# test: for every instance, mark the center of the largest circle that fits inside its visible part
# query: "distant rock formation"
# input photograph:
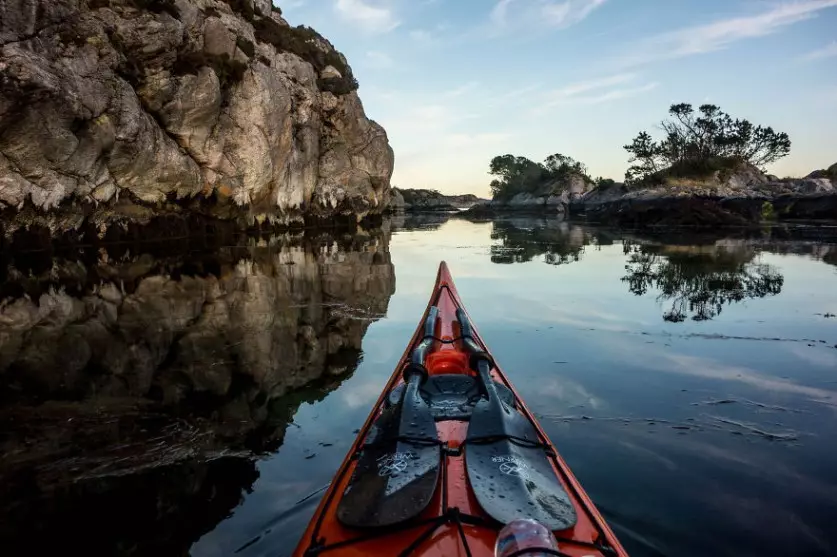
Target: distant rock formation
(743, 195)
(552, 197)
(419, 200)
(118, 110)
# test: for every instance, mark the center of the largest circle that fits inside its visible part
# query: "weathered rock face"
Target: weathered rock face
(211, 106)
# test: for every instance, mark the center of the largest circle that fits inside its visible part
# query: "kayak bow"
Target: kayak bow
(448, 455)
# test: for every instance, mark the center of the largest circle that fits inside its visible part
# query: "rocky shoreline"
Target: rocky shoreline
(429, 201)
(745, 196)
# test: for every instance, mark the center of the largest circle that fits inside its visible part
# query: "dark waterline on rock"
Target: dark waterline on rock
(195, 396)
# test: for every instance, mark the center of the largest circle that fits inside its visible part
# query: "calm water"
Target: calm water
(188, 403)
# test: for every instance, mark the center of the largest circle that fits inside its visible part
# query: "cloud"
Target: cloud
(379, 60)
(511, 14)
(829, 51)
(460, 90)
(430, 36)
(564, 14)
(721, 34)
(595, 91)
(372, 18)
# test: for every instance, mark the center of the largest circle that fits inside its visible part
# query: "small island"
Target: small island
(708, 169)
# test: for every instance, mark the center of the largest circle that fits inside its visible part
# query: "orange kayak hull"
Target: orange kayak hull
(430, 534)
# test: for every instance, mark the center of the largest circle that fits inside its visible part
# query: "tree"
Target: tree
(560, 166)
(700, 141)
(519, 174)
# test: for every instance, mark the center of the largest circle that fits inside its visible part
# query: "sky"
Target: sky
(457, 82)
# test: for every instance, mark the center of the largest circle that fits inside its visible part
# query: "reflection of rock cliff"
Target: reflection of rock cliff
(137, 371)
(160, 511)
(699, 280)
(109, 108)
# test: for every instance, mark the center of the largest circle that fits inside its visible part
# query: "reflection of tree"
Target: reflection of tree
(559, 242)
(698, 281)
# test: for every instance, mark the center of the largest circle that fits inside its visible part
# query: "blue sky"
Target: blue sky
(456, 82)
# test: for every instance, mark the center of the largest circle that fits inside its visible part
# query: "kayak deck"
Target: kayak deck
(453, 522)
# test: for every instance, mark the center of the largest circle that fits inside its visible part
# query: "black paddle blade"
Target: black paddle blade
(398, 469)
(511, 478)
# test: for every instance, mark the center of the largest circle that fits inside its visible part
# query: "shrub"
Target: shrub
(696, 143)
(303, 41)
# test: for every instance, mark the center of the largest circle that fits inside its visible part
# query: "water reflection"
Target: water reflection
(137, 385)
(559, 242)
(695, 273)
(698, 280)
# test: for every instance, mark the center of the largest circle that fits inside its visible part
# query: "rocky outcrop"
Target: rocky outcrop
(830, 173)
(396, 201)
(115, 109)
(742, 196)
(419, 201)
(552, 197)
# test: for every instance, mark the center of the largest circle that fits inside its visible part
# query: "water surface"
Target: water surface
(689, 380)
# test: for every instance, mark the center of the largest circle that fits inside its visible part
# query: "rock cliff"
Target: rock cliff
(111, 107)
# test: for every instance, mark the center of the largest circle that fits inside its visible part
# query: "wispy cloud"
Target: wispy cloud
(372, 18)
(460, 90)
(829, 51)
(431, 36)
(570, 12)
(596, 91)
(508, 15)
(720, 34)
(379, 60)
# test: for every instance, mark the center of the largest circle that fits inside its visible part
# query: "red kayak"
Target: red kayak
(450, 454)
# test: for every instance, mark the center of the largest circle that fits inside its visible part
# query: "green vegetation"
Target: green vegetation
(604, 183)
(698, 144)
(521, 175)
(768, 212)
(304, 42)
